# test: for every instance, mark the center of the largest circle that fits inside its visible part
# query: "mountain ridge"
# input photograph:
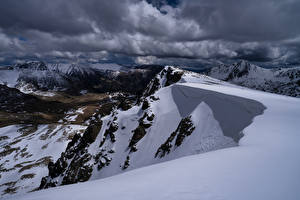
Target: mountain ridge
(179, 113)
(264, 160)
(74, 78)
(159, 127)
(285, 81)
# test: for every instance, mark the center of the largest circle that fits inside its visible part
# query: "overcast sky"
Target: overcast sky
(154, 31)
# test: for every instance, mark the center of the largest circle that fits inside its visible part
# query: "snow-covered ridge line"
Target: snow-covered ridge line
(265, 165)
(168, 122)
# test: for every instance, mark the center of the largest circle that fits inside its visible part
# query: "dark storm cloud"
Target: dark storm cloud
(150, 31)
(55, 16)
(244, 20)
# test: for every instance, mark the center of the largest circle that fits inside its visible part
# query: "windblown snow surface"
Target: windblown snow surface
(265, 165)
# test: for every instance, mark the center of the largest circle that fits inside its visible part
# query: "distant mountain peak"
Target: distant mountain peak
(32, 65)
(277, 80)
(75, 69)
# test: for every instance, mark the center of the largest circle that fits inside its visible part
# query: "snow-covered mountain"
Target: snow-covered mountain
(170, 121)
(285, 81)
(32, 77)
(181, 117)
(32, 65)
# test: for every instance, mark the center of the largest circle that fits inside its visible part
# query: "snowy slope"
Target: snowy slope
(284, 81)
(264, 166)
(171, 121)
(25, 151)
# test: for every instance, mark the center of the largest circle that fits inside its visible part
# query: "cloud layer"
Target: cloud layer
(152, 31)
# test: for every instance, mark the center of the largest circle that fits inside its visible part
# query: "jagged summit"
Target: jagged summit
(166, 77)
(78, 70)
